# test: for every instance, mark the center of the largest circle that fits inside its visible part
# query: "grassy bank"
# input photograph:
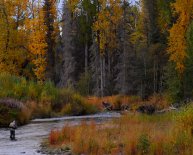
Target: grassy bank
(22, 100)
(119, 102)
(171, 133)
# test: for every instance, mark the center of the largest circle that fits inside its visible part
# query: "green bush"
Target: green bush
(20, 89)
(34, 91)
(84, 84)
(49, 93)
(78, 106)
(50, 99)
(7, 83)
(143, 144)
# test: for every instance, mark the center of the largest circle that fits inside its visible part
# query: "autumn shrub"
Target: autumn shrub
(159, 101)
(12, 109)
(79, 106)
(43, 110)
(117, 101)
(47, 99)
(54, 137)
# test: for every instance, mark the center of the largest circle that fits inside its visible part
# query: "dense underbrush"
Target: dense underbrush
(38, 100)
(43, 100)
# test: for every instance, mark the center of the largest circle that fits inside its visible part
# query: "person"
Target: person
(12, 126)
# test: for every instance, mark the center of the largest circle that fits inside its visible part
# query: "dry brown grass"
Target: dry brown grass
(129, 135)
(157, 100)
(116, 100)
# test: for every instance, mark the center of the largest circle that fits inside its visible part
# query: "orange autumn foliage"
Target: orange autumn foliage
(37, 40)
(177, 39)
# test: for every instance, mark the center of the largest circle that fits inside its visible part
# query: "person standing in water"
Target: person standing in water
(12, 126)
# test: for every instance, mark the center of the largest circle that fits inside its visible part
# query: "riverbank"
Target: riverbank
(169, 133)
(30, 136)
(24, 100)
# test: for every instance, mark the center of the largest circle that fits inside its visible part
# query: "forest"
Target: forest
(128, 58)
(100, 47)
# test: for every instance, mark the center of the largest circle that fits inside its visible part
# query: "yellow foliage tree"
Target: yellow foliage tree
(177, 39)
(72, 5)
(107, 22)
(37, 39)
(12, 36)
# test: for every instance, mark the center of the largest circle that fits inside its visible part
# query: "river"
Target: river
(29, 137)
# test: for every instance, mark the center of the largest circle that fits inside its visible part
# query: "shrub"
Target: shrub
(79, 106)
(43, 110)
(159, 101)
(13, 110)
(54, 137)
(7, 83)
(118, 102)
(34, 91)
(84, 84)
(143, 144)
(185, 119)
(50, 99)
(49, 93)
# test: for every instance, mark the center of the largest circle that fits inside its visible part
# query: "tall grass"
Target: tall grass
(131, 134)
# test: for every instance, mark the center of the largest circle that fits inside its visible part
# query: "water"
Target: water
(29, 137)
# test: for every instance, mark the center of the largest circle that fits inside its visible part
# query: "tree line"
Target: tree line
(101, 47)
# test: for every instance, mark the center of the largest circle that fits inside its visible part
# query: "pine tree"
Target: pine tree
(50, 19)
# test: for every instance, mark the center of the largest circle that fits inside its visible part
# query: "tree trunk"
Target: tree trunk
(86, 57)
(102, 80)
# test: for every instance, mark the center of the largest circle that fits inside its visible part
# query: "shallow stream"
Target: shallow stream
(29, 137)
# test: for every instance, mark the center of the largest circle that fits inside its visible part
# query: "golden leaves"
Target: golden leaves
(177, 41)
(72, 5)
(37, 43)
(107, 21)
(12, 36)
